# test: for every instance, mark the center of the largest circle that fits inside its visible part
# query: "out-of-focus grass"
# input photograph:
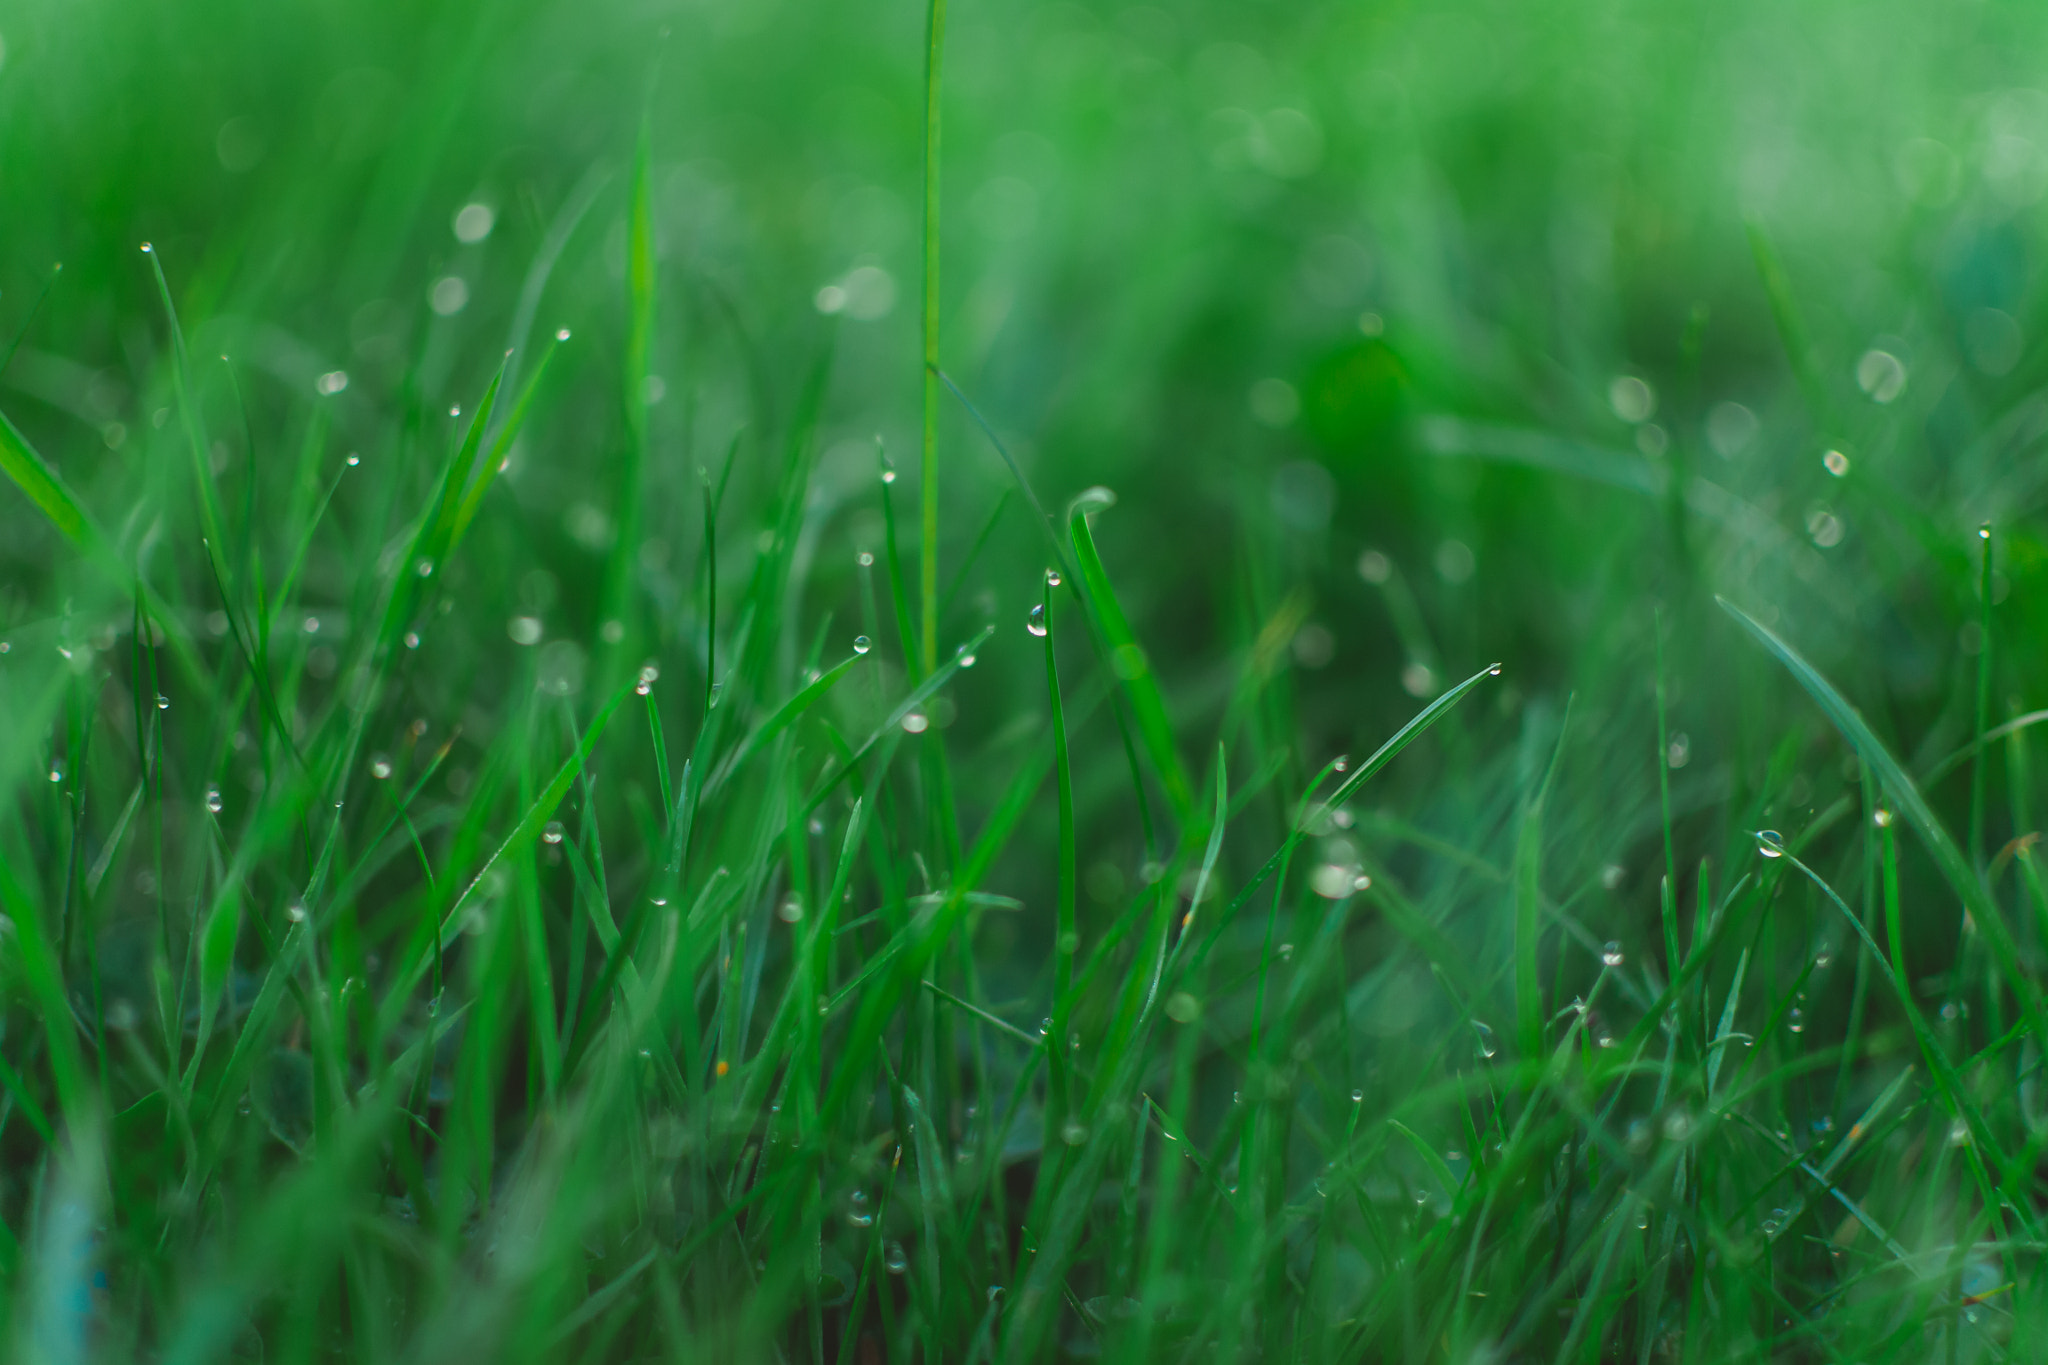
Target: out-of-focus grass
(531, 855)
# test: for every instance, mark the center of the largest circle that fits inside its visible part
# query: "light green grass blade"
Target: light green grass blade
(39, 482)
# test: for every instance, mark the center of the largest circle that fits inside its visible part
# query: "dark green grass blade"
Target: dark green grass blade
(1134, 670)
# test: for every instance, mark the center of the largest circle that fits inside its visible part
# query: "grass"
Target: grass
(512, 852)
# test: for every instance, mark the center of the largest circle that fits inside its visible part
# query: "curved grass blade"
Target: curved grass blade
(1127, 659)
(1955, 866)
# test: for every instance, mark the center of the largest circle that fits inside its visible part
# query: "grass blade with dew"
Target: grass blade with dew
(1954, 865)
(1066, 931)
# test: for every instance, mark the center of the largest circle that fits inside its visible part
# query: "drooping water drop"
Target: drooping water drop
(380, 766)
(888, 473)
(213, 801)
(551, 833)
(1358, 1097)
(1052, 578)
(862, 644)
(1796, 1020)
(56, 772)
(1611, 955)
(1482, 1036)
(1881, 817)
(296, 912)
(858, 1215)
(1493, 671)
(790, 911)
(1035, 623)
(916, 723)
(163, 703)
(412, 639)
(894, 1260)
(1770, 843)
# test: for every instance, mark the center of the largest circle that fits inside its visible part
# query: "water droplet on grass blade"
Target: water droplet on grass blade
(894, 1260)
(1836, 463)
(380, 767)
(1482, 1035)
(1770, 843)
(1881, 817)
(1611, 955)
(213, 801)
(916, 723)
(163, 703)
(790, 911)
(862, 644)
(551, 833)
(1035, 622)
(1052, 578)
(1183, 1008)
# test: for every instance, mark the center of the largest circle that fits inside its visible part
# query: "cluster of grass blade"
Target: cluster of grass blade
(663, 1027)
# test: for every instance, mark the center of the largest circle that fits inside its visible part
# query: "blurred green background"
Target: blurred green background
(1413, 337)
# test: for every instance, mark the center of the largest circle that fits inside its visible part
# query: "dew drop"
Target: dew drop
(380, 767)
(1052, 578)
(56, 772)
(163, 703)
(1493, 671)
(888, 474)
(551, 833)
(1796, 1020)
(424, 568)
(865, 560)
(1482, 1036)
(213, 801)
(1183, 1008)
(916, 723)
(561, 334)
(1611, 955)
(894, 1261)
(1770, 843)
(1362, 881)
(1881, 817)
(1035, 623)
(790, 911)
(1836, 463)
(862, 644)
(858, 1215)
(1074, 1133)
(354, 460)
(296, 912)
(1332, 881)
(1358, 1097)
(412, 639)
